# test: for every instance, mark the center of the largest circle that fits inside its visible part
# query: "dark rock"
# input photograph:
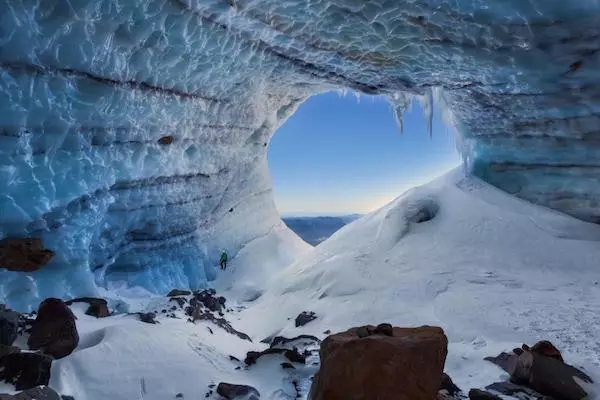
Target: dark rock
(294, 356)
(449, 386)
(232, 392)
(327, 332)
(163, 311)
(282, 341)
(231, 209)
(25, 370)
(365, 331)
(232, 358)
(54, 331)
(253, 356)
(221, 322)
(179, 396)
(165, 140)
(518, 351)
(148, 317)
(212, 385)
(514, 390)
(97, 307)
(4, 350)
(286, 365)
(37, 393)
(63, 397)
(545, 348)
(304, 318)
(476, 394)
(207, 299)
(405, 366)
(550, 376)
(179, 300)
(179, 292)
(210, 330)
(505, 361)
(384, 329)
(9, 323)
(24, 255)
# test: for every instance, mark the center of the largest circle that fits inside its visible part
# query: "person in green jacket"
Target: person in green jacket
(224, 259)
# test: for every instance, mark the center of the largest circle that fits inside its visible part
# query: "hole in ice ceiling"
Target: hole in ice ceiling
(344, 154)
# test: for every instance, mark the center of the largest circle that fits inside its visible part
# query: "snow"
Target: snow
(492, 270)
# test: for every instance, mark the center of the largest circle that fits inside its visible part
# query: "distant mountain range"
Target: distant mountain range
(315, 230)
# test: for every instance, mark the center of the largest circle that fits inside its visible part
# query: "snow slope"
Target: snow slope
(492, 270)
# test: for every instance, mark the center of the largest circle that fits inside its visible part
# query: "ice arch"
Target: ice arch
(131, 128)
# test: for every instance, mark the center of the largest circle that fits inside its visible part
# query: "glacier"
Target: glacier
(134, 133)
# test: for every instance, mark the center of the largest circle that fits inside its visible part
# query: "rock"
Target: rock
(221, 322)
(63, 397)
(178, 292)
(282, 341)
(24, 255)
(25, 370)
(4, 350)
(148, 317)
(550, 376)
(54, 331)
(232, 358)
(97, 307)
(365, 331)
(9, 323)
(545, 348)
(505, 361)
(165, 140)
(206, 298)
(518, 391)
(37, 393)
(448, 386)
(327, 332)
(476, 394)
(179, 396)
(304, 318)
(292, 355)
(233, 392)
(405, 366)
(287, 365)
(384, 329)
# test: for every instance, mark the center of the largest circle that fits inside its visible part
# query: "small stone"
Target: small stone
(286, 365)
(304, 318)
(476, 394)
(384, 329)
(231, 391)
(179, 396)
(148, 318)
(165, 140)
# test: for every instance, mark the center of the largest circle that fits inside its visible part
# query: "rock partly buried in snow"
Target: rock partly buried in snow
(148, 318)
(54, 331)
(97, 307)
(544, 348)
(550, 376)
(237, 392)
(9, 322)
(405, 366)
(200, 315)
(291, 354)
(368, 330)
(179, 292)
(304, 318)
(24, 255)
(477, 394)
(448, 388)
(25, 370)
(514, 390)
(37, 393)
(279, 341)
(206, 298)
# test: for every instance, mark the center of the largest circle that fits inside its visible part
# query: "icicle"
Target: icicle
(427, 105)
(401, 102)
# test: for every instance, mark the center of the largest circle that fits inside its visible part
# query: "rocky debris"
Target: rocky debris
(221, 322)
(304, 318)
(207, 298)
(279, 341)
(25, 370)
(165, 140)
(287, 365)
(179, 292)
(54, 331)
(477, 394)
(148, 318)
(518, 391)
(4, 350)
(24, 255)
(540, 371)
(405, 366)
(9, 322)
(368, 330)
(37, 393)
(292, 355)
(448, 387)
(97, 307)
(181, 301)
(235, 392)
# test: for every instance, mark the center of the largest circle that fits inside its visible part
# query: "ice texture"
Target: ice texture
(88, 88)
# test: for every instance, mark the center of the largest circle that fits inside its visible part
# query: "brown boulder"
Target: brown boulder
(97, 307)
(54, 330)
(24, 255)
(405, 366)
(25, 370)
(165, 140)
(545, 348)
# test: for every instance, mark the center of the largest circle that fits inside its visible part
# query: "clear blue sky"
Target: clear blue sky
(342, 154)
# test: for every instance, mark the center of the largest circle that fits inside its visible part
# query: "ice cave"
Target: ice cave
(133, 143)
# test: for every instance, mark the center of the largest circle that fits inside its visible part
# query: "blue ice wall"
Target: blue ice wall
(88, 88)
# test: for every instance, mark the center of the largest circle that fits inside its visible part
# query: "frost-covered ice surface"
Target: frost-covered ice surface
(89, 87)
(492, 270)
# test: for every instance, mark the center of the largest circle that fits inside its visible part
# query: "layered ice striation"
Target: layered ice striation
(134, 133)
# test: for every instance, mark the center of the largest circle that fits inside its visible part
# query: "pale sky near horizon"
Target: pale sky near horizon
(345, 154)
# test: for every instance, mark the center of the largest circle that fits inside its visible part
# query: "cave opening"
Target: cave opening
(342, 155)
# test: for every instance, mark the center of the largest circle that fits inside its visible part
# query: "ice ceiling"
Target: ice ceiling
(133, 133)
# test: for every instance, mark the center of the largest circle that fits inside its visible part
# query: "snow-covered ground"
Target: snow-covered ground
(492, 270)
